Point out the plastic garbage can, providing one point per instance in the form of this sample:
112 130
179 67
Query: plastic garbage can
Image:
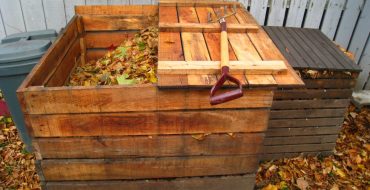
19 53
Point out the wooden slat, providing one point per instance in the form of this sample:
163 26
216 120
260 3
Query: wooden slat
292 140
95 54
258 10
303 104
171 48
11 13
61 74
329 83
296 13
136 98
332 16
277 12
312 94
307 113
268 51
213 67
299 148
205 27
276 156
308 122
209 183
149 146
106 39
48 62
348 22
115 22
55 16
117 10
361 34
302 131
314 13
123 124
195 3
33 14
145 168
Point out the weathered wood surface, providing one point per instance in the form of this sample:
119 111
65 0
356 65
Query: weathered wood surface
149 123
275 156
302 131
307 113
210 183
291 123
146 10
150 146
205 27
291 94
296 140
304 104
299 148
144 168
40 100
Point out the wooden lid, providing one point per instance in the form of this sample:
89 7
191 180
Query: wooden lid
186 38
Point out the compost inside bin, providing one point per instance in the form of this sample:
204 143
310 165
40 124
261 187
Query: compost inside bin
134 61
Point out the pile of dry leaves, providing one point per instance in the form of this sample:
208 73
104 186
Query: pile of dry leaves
348 168
132 62
17 166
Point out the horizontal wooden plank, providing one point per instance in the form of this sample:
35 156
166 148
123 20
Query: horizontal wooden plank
105 39
117 10
302 131
146 168
299 148
294 140
95 54
149 146
287 94
213 67
330 83
194 183
307 113
309 104
196 3
309 122
206 27
122 98
149 123
115 22
276 156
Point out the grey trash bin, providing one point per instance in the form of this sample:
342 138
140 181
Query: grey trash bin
19 53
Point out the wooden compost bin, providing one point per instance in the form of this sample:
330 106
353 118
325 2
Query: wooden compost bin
140 136
308 120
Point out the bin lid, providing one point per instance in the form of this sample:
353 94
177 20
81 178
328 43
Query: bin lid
22 50
34 35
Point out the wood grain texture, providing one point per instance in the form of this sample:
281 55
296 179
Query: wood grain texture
299 148
302 104
195 183
307 113
143 10
149 146
115 22
290 123
122 124
275 156
106 39
295 140
146 168
303 131
312 94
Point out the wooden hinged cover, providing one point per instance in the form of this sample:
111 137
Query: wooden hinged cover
189 48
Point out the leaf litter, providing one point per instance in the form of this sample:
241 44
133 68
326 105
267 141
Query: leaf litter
134 61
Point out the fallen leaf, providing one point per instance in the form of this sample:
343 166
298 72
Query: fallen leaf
302 183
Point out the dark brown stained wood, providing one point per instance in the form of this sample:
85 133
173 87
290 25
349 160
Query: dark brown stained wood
117 10
330 83
304 104
149 123
115 22
276 156
150 146
283 123
146 168
244 182
95 54
121 98
294 140
286 94
341 58
302 131
106 39
60 75
288 54
307 113
299 148
49 61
